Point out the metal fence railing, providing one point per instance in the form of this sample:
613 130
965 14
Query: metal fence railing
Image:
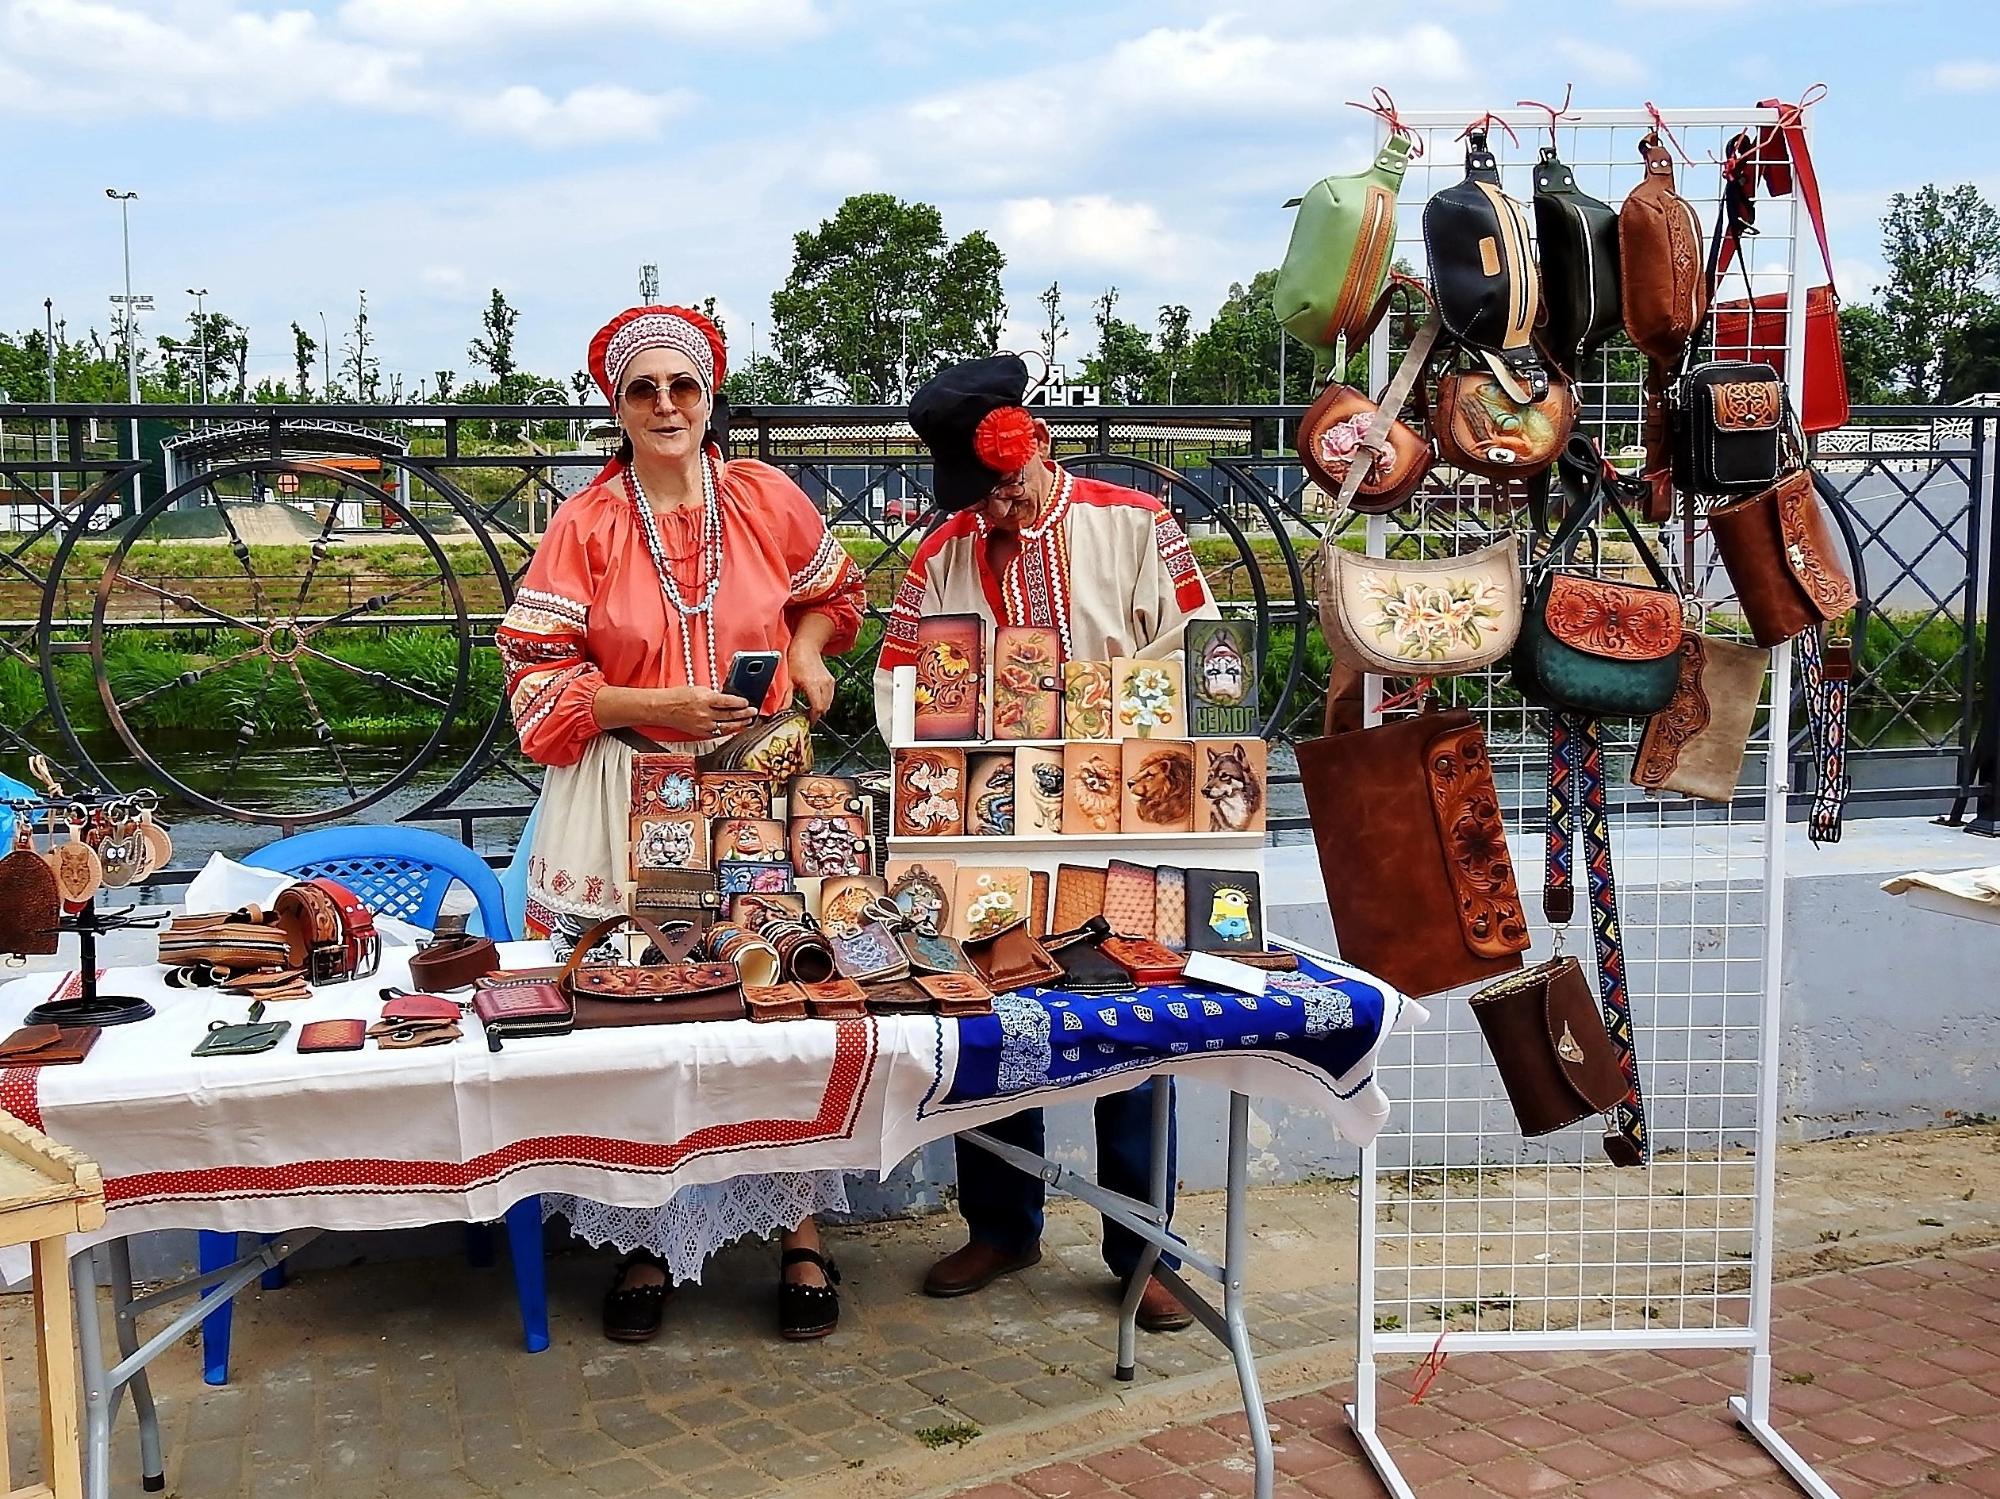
284 614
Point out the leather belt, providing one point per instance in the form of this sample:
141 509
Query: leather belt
453 962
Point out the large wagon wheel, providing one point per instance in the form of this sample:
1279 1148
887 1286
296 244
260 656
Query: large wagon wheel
281 637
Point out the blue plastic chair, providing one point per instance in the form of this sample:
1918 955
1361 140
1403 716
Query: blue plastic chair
401 872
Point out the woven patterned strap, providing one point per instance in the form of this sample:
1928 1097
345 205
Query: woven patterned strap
1826 711
1576 785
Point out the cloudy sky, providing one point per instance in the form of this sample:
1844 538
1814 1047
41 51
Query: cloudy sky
429 150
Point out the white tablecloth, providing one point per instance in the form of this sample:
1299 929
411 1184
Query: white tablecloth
375 1139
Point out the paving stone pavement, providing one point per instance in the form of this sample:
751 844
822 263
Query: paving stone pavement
407 1378
1888 1381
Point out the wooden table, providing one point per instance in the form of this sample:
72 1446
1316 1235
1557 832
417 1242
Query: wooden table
48 1192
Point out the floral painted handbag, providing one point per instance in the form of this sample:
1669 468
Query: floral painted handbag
1434 618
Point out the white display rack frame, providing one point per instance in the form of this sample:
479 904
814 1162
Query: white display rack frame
1456 1082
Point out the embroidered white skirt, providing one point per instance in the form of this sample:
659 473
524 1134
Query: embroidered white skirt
574 872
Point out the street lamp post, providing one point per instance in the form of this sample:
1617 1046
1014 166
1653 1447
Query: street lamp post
131 306
55 475
201 336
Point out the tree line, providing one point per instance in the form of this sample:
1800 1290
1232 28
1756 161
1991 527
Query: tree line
879 296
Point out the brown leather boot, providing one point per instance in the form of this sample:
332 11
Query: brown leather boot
976 1267
1160 1310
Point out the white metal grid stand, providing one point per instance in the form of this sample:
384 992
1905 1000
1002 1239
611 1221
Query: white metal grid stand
1473 1239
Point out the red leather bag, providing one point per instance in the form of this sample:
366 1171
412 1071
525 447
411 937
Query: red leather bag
1755 325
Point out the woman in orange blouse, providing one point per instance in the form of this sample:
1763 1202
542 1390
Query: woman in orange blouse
645 585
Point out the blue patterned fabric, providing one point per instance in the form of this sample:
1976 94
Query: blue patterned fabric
1326 1021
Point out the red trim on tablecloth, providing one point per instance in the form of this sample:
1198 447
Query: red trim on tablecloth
854 1057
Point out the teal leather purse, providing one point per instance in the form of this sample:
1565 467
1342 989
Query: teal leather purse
1594 645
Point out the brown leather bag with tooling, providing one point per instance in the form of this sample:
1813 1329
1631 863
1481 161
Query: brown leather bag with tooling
1663 284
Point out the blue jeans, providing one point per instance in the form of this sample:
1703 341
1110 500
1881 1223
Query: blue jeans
1003 1205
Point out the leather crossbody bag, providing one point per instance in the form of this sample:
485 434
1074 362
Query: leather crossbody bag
1433 617
1695 744
1482 427
1406 820
1549 1045
1596 645
1483 271
1359 451
1777 547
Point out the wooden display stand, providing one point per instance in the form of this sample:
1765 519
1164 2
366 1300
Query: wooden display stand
48 1192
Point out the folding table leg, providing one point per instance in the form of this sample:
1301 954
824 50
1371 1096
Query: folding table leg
1236 1264
96 1396
1128 1312
152 1469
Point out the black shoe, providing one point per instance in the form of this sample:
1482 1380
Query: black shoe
632 1314
807 1312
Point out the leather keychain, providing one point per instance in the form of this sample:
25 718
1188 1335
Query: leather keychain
79 872
160 847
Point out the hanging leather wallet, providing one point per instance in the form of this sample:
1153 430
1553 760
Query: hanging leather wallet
48 1045
1548 1040
836 999
332 1035
1011 958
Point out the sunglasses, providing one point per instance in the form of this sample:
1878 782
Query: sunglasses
684 391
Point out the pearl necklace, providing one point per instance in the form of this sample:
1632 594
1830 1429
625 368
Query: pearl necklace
711 563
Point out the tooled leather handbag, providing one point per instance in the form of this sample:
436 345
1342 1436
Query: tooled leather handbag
30 903
779 746
1549 1045
1432 617
1358 450
1483 271
1663 290
675 990
1482 427
1576 237
1406 821
1596 646
1778 549
1694 745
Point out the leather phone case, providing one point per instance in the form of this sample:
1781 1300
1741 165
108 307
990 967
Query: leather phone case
1131 898
332 1035
929 792
951 676
48 1045
1079 896
1027 682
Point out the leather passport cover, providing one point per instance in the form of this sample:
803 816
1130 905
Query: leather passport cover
1027 682
989 794
825 796
1038 783
1230 777
1130 898
671 841
843 899
1079 895
834 843
1221 677
1170 907
1091 788
1146 699
747 839
1157 794
988 899
1225 910
929 793
1086 699
951 676
662 785
333 1035
836 999
48 1045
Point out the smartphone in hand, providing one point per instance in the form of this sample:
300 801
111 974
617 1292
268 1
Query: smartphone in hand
750 674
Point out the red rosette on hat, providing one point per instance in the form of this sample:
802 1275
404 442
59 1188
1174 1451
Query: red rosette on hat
1004 440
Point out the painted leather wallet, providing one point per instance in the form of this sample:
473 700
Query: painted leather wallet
869 955
332 1035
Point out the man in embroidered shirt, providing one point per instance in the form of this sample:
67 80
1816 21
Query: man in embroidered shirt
1024 543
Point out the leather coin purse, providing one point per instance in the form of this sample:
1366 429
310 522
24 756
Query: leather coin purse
401 1009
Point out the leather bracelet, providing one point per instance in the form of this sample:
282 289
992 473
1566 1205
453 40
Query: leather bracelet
453 962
